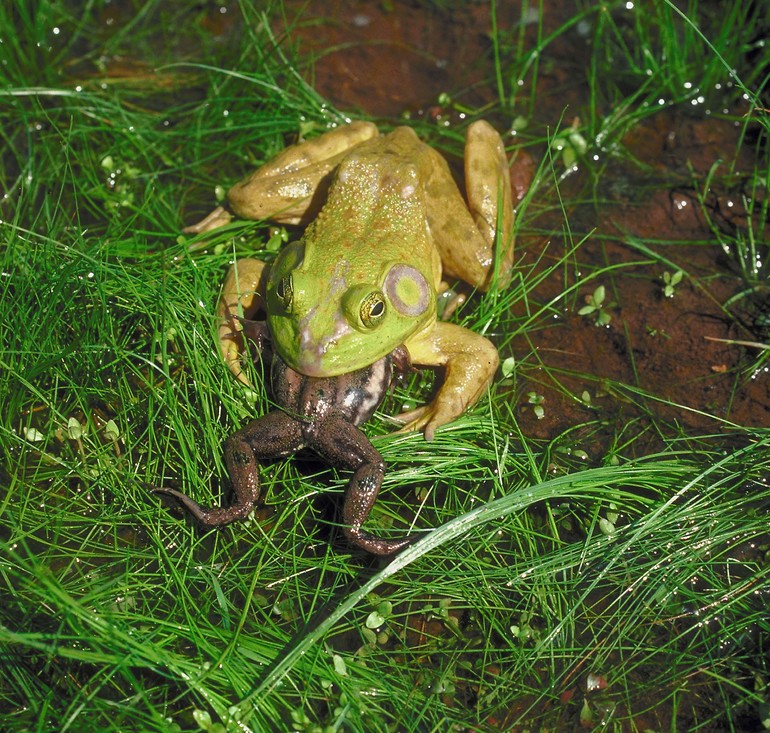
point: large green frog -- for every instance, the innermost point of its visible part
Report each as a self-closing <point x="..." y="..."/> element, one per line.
<point x="385" y="222"/>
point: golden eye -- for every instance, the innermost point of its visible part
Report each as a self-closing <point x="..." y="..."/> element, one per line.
<point x="372" y="309"/>
<point x="285" y="291"/>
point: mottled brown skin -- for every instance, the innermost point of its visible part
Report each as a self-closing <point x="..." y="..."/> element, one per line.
<point x="322" y="414"/>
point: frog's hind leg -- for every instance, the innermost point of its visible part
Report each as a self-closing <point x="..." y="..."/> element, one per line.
<point x="291" y="188"/>
<point x="273" y="436"/>
<point x="488" y="189"/>
<point x="344" y="445"/>
<point x="467" y="235"/>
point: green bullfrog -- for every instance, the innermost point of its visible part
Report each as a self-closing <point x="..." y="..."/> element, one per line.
<point x="385" y="222"/>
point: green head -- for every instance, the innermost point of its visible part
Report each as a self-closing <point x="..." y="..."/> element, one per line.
<point x="329" y="318"/>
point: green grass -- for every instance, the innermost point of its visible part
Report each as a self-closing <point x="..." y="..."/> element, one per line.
<point x="542" y="560"/>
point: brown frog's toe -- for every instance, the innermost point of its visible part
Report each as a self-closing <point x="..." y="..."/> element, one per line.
<point x="210" y="516"/>
<point x="376" y="545"/>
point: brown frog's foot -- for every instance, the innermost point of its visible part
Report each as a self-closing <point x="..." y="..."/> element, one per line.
<point x="342" y="444"/>
<point x="376" y="545"/>
<point x="210" y="516"/>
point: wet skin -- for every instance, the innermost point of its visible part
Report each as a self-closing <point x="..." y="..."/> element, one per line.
<point x="385" y="220"/>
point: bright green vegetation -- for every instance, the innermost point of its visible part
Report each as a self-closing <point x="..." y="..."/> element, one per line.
<point x="585" y="560"/>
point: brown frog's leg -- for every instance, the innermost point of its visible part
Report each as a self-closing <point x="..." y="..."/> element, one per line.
<point x="465" y="240"/>
<point x="470" y="362"/>
<point x="273" y="436"/>
<point x="343" y="445"/>
<point x="240" y="298"/>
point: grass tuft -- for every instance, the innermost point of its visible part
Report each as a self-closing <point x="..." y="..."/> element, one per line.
<point x="581" y="578"/>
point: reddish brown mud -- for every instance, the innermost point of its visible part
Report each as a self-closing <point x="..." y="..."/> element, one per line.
<point x="387" y="62"/>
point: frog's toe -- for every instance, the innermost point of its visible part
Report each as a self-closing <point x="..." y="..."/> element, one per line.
<point x="217" y="218"/>
<point x="209" y="516"/>
<point x="449" y="300"/>
<point x="413" y="420"/>
<point x="428" y="419"/>
<point x="376" y="545"/>
<point x="229" y="345"/>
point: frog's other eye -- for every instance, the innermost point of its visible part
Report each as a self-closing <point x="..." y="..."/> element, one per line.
<point x="364" y="307"/>
<point x="284" y="291"/>
<point x="281" y="283"/>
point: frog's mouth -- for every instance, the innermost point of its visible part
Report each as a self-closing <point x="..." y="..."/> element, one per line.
<point x="322" y="344"/>
<point x="343" y="351"/>
<point x="309" y="365"/>
<point x="320" y="356"/>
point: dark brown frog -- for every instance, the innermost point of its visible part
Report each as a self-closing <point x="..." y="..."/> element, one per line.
<point x="320" y="413"/>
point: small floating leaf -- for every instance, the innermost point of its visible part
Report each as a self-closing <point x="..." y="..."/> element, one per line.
<point x="74" y="429"/>
<point x="33" y="435"/>
<point x="339" y="665"/>
<point x="111" y="430"/>
<point x="374" y="620"/>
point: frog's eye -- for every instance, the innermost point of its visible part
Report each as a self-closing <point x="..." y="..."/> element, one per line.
<point x="281" y="283"/>
<point x="364" y="307"/>
<point x="284" y="291"/>
<point x="372" y="309"/>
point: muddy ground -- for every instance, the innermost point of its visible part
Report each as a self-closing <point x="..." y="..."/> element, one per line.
<point x="392" y="59"/>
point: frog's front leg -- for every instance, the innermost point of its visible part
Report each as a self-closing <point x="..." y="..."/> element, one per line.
<point x="344" y="445"/>
<point x="273" y="436"/>
<point x="241" y="298"/>
<point x="470" y="362"/>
